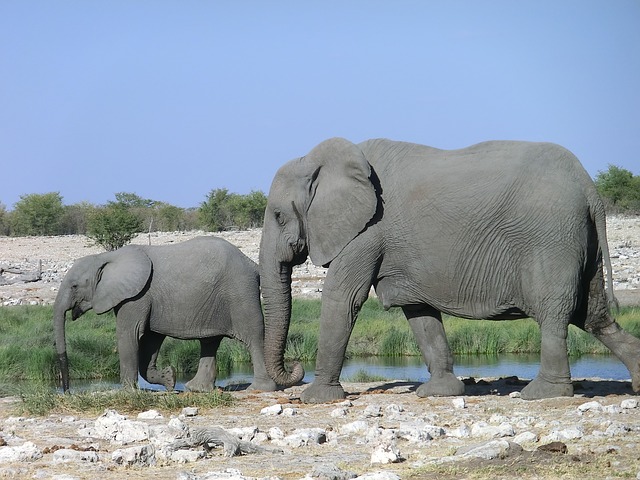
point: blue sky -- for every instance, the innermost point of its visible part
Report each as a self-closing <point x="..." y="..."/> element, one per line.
<point x="171" y="99"/>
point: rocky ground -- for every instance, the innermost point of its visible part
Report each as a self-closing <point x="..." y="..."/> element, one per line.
<point x="382" y="431"/>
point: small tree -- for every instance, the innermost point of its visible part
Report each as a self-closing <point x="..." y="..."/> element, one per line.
<point x="620" y="189"/>
<point x="76" y="217"/>
<point x="214" y="213"/>
<point x="37" y="214"/>
<point x="113" y="226"/>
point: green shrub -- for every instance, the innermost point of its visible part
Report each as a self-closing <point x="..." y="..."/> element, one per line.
<point x="113" y="226"/>
<point x="620" y="189"/>
<point x="37" y="214"/>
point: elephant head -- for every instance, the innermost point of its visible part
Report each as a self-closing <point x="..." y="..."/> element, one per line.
<point x="99" y="282"/>
<point x="316" y="205"/>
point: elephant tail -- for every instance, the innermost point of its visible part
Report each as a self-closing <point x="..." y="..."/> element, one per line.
<point x="600" y="220"/>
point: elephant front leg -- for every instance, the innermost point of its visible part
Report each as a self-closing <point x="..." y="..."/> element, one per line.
<point x="205" y="377"/>
<point x="335" y="329"/>
<point x="149" y="348"/>
<point x="128" y="346"/>
<point x="554" y="377"/>
<point x="426" y="324"/>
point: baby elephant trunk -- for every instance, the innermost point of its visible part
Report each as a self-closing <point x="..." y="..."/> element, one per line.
<point x="59" y="318"/>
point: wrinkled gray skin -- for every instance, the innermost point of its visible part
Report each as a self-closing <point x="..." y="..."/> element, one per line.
<point x="204" y="289"/>
<point x="499" y="230"/>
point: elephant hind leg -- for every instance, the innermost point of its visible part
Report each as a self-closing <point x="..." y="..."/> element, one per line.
<point x="150" y="344"/>
<point x="604" y="327"/>
<point x="426" y="324"/>
<point x="205" y="377"/>
<point x="554" y="376"/>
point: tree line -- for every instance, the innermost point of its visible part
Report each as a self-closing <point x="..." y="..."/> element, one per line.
<point x="117" y="222"/>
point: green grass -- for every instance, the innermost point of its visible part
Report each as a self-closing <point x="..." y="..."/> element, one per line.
<point x="27" y="353"/>
<point x="41" y="400"/>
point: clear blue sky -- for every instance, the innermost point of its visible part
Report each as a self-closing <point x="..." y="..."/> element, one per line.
<point x="170" y="100"/>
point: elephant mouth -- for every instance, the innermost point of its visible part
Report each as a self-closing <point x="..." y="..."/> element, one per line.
<point x="76" y="312"/>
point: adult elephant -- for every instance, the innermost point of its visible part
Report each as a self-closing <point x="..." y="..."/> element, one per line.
<point x="499" y="230"/>
<point x="204" y="288"/>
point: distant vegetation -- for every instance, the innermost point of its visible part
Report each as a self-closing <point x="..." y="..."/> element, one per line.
<point x="620" y="190"/>
<point x="117" y="222"/>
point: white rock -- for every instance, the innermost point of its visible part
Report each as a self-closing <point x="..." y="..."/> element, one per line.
<point x="463" y="431"/>
<point x="358" y="426"/>
<point x="141" y="455"/>
<point x="339" y="412"/>
<point x="304" y="437"/>
<point x="459" y="402"/>
<point x="67" y="455"/>
<point x="372" y="411"/>
<point x="490" y="450"/>
<point x="629" y="403"/>
<point x="289" y="412"/>
<point x="272" y="410"/>
<point x="150" y="415"/>
<point x="115" y="427"/>
<point x="484" y="430"/>
<point x="562" y="435"/>
<point x="590" y="407"/>
<point x="187" y="456"/>
<point x="190" y="411"/>
<point x="617" y="428"/>
<point x="393" y="409"/>
<point x="525" y="437"/>
<point x="27" y="452"/>
<point x="386" y="452"/>
<point x="275" y="433"/>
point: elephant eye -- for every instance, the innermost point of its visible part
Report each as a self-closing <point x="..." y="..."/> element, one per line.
<point x="279" y="217"/>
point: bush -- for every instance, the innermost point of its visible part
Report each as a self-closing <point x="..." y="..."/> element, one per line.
<point x="225" y="211"/>
<point x="37" y="214"/>
<point x="113" y="226"/>
<point x="620" y="189"/>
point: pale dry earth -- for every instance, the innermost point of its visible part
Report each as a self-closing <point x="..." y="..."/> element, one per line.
<point x="426" y="435"/>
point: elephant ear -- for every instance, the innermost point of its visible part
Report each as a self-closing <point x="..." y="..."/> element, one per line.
<point x="343" y="199"/>
<point x="123" y="275"/>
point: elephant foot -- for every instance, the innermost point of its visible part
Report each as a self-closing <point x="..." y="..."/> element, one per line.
<point x="168" y="376"/>
<point x="446" y="385"/>
<point x="194" y="385"/>
<point x="262" y="384"/>
<point x="322" y="393"/>
<point x="539" y="388"/>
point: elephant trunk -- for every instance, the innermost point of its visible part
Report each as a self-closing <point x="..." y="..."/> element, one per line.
<point x="59" y="316"/>
<point x="276" y="291"/>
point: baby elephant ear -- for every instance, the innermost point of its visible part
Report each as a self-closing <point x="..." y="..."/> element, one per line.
<point x="343" y="199"/>
<point x="123" y="275"/>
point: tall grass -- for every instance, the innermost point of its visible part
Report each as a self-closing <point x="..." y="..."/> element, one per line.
<point x="27" y="353"/>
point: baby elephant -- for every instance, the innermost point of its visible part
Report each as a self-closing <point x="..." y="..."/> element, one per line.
<point x="204" y="289"/>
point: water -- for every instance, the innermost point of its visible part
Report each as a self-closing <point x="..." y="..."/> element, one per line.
<point x="412" y="369"/>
